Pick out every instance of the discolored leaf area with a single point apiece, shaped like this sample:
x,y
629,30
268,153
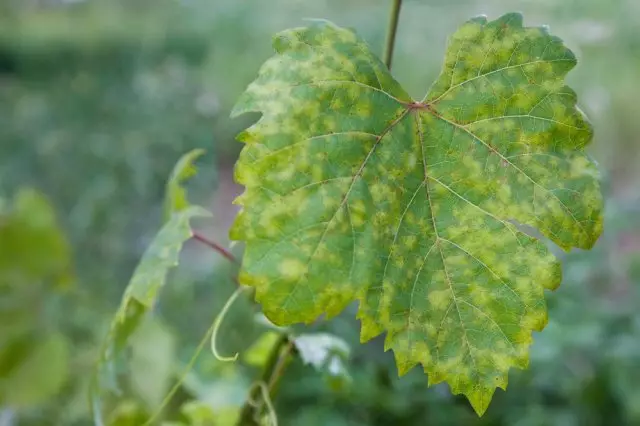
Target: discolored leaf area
x,y
355,191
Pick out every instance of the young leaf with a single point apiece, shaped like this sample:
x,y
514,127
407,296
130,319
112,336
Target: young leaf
x,y
354,191
140,295
175,194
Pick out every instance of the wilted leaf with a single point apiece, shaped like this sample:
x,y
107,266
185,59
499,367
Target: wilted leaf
x,y
162,255
176,195
355,191
140,295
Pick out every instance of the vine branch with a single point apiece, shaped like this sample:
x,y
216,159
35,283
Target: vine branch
x,y
271,374
217,247
181,379
391,32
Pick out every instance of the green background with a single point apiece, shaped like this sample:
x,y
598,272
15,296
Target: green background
x,y
98,100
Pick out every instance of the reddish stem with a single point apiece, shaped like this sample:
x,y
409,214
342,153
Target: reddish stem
x,y
217,247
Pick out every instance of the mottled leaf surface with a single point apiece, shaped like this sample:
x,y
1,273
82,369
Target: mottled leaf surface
x,y
356,191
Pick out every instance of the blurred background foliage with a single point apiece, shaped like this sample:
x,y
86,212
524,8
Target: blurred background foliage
x,y
99,98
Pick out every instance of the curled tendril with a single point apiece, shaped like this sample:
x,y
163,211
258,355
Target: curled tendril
x,y
264,390
182,377
216,326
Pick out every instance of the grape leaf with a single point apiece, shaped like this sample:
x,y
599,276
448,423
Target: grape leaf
x,y
147,280
175,193
139,297
355,191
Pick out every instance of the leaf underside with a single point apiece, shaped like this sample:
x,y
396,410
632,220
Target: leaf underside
x,y
355,191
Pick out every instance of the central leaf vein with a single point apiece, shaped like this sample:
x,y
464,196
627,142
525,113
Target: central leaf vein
x,y
437,241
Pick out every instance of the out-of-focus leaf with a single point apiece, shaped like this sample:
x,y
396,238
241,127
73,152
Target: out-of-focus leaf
x,y
323,351
34,264
258,353
153,354
161,255
139,297
200,414
39,375
33,249
263,320
176,195
356,191
128,413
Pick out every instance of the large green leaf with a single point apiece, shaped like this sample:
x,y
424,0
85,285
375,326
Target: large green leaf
x,y
355,191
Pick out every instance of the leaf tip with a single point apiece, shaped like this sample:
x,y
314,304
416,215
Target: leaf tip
x,y
514,19
479,396
479,19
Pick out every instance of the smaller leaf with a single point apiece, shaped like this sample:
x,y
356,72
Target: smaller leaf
x,y
140,295
323,351
258,353
162,255
176,195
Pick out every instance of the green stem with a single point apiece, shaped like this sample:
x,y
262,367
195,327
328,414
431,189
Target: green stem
x,y
182,377
215,246
391,32
271,374
216,327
